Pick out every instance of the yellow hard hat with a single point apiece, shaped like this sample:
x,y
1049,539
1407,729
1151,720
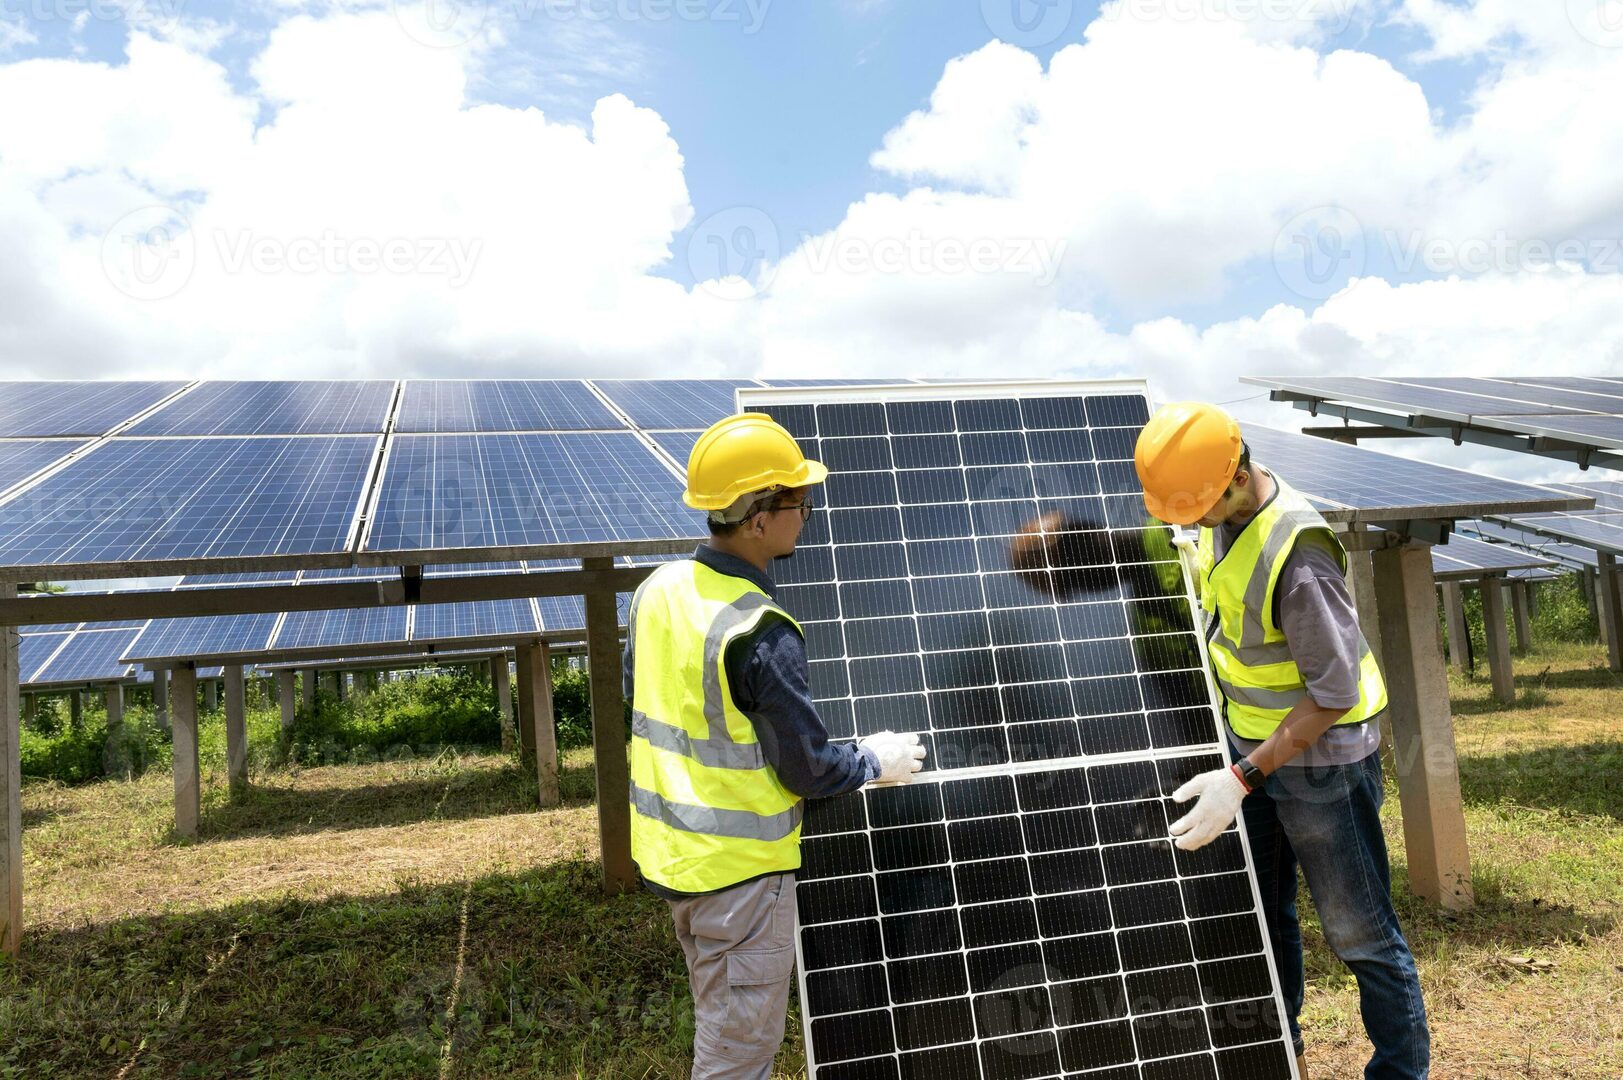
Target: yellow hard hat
x,y
744,454
1186,456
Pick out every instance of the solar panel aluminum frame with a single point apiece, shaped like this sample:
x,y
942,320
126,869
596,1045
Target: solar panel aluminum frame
x,y
752,399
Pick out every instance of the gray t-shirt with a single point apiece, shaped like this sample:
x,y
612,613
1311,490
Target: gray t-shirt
x,y
1316,613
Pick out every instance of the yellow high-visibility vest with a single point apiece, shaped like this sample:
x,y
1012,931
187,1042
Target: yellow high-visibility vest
x,y
707,809
1259,681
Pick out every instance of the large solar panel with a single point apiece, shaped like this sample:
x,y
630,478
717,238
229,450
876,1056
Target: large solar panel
x,y
75,408
1585,412
1463,556
33,650
1568,554
334,629
206,635
274,408
1354,483
477,619
654,404
183,499
495,491
91,656
984,575
22,458
475,406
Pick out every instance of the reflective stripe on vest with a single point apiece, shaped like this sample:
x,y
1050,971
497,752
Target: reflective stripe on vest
x,y
1251,661
708,810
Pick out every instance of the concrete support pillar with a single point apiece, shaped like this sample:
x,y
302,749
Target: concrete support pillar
x,y
183,734
536,717
160,698
285,694
1520,611
30,708
115,753
307,688
1361,583
609,735
211,695
504,700
1611,605
1459,635
76,707
1422,729
1498,640
11,788
1532,598
236,731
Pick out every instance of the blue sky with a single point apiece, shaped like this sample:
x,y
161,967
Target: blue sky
x,y
776,105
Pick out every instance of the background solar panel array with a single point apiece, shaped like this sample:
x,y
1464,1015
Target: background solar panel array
x,y
1600,528
1585,411
274,408
984,575
1465,557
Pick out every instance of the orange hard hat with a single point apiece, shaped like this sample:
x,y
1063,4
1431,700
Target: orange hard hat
x,y
1186,456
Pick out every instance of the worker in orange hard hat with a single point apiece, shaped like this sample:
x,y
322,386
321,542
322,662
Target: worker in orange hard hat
x,y
726,744
1302,696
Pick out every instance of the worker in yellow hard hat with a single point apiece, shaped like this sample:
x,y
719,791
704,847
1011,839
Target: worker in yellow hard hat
x,y
726,743
1302,695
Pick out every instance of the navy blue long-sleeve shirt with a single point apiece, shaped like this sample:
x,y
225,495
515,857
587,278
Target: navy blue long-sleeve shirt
x,y
770,682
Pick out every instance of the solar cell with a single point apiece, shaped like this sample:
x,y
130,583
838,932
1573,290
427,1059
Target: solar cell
x,y
205,635
90,656
1511,398
655,404
336,629
491,405
274,408
499,491
186,499
75,408
271,577
22,458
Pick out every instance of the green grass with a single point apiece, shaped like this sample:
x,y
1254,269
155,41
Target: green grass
x,y
315,927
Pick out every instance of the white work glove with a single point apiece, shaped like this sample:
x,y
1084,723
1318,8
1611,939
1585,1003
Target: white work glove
x,y
1220,793
900,756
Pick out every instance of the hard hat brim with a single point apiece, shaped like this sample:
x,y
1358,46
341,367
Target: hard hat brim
x,y
1186,514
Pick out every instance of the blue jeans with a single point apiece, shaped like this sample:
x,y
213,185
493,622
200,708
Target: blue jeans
x,y
1326,820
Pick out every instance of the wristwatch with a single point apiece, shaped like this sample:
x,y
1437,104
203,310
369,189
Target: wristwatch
x,y
1250,775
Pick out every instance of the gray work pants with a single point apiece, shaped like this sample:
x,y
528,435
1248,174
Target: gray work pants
x,y
740,948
